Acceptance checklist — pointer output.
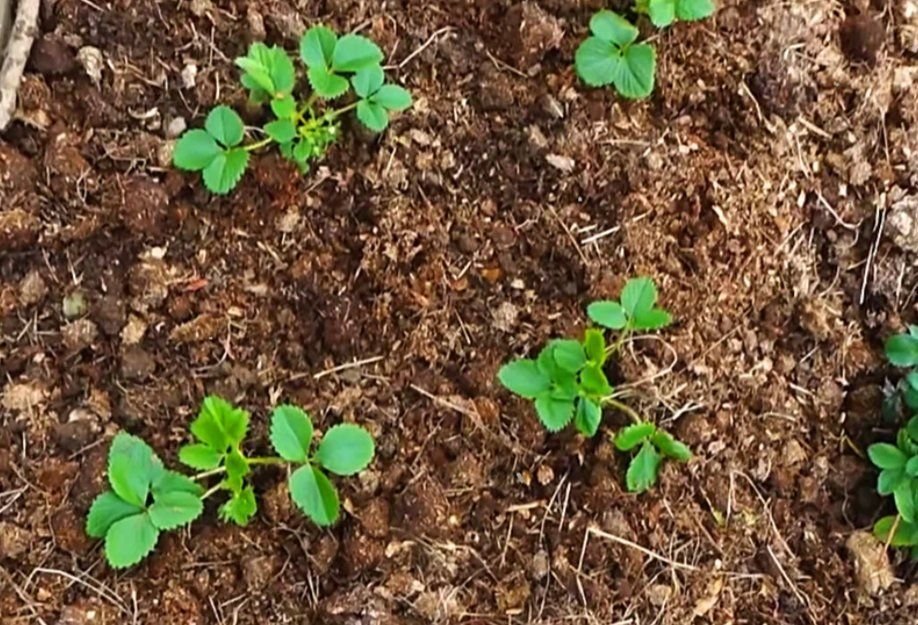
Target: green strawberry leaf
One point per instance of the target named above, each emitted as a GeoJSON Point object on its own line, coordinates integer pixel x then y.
{"type": "Point", "coordinates": [224, 173]}
{"type": "Point", "coordinates": [291, 433]}
{"type": "Point", "coordinates": [904, 496]}
{"type": "Point", "coordinates": [906, 533]}
{"type": "Point", "coordinates": [368, 81]}
{"type": "Point", "coordinates": [569, 354]}
{"type": "Point", "coordinates": [662, 12]}
{"type": "Point", "coordinates": [639, 296]}
{"type": "Point", "coordinates": [692, 10]}
{"type": "Point", "coordinates": [911, 467]}
{"type": "Point", "coordinates": [269, 70]}
{"type": "Point", "coordinates": [131, 468]}
{"type": "Point", "coordinates": [200, 456]}
{"type": "Point", "coordinates": [596, 62]}
{"type": "Point", "coordinates": [314, 495]}
{"type": "Point", "coordinates": [902, 350]}
{"type": "Point", "coordinates": [326, 83]}
{"type": "Point", "coordinates": [652, 319]}
{"type": "Point", "coordinates": [886, 456]}
{"type": "Point", "coordinates": [889, 480]}
{"type": "Point", "coordinates": [317, 46]}
{"type": "Point", "coordinates": [237, 467]}
{"type": "Point", "coordinates": [631, 436]}
{"type": "Point", "coordinates": [195, 150]}
{"type": "Point", "coordinates": [588, 416]}
{"type": "Point", "coordinates": [175, 509]}
{"type": "Point", "coordinates": [107, 509]}
{"type": "Point", "coordinates": [594, 345]}
{"type": "Point", "coordinates": [372, 115]}
{"type": "Point", "coordinates": [613, 28]}
{"type": "Point", "coordinates": [524, 378]}
{"type": "Point", "coordinates": [225, 125]}
{"type": "Point", "coordinates": [554, 411]}
{"type": "Point", "coordinates": [593, 381]}
{"type": "Point", "coordinates": [346, 449]}
{"type": "Point", "coordinates": [669, 446]}
{"type": "Point", "coordinates": [171, 482]}
{"type": "Point", "coordinates": [634, 74]}
{"type": "Point", "coordinates": [642, 472]}
{"type": "Point", "coordinates": [129, 540]}
{"type": "Point", "coordinates": [281, 130]}
{"type": "Point", "coordinates": [284, 107]}
{"type": "Point", "coordinates": [608, 314]}
{"type": "Point", "coordinates": [912, 428]}
{"type": "Point", "coordinates": [354, 52]}
{"type": "Point", "coordinates": [240, 508]}
{"type": "Point", "coordinates": [392, 98]}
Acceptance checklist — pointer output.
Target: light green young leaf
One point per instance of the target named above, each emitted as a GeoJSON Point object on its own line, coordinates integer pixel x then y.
{"type": "Point", "coordinates": [174, 509]}
{"type": "Point", "coordinates": [524, 378]}
{"type": "Point", "coordinates": [317, 46]}
{"type": "Point", "coordinates": [642, 472]}
{"type": "Point", "coordinates": [904, 496]}
{"type": "Point", "coordinates": [240, 508]}
{"type": "Point", "coordinates": [346, 449]}
{"type": "Point", "coordinates": [608, 314]}
{"type": "Point", "coordinates": [131, 468]}
{"type": "Point", "coordinates": [225, 125]}
{"type": "Point", "coordinates": [325, 83]}
{"type": "Point", "coordinates": [902, 350]}
{"type": "Point", "coordinates": [593, 380]}
{"type": "Point", "coordinates": [639, 296]}
{"type": "Point", "coordinates": [368, 81]}
{"type": "Point", "coordinates": [612, 27]}
{"type": "Point", "coordinates": [372, 115]}
{"type": "Point", "coordinates": [291, 433]}
{"type": "Point", "coordinates": [912, 428]}
{"type": "Point", "coordinates": [596, 61]}
{"type": "Point", "coordinates": [195, 150]}
{"type": "Point", "coordinates": [172, 482]}
{"type": "Point", "coordinates": [208, 425]}
{"type": "Point", "coordinates": [631, 436]}
{"type": "Point", "coordinates": [635, 75]}
{"type": "Point", "coordinates": [906, 533]}
{"type": "Point", "coordinates": [107, 509]}
{"type": "Point", "coordinates": [889, 480]}
{"type": "Point", "coordinates": [270, 69]}
{"type": "Point", "coordinates": [314, 495]}
{"type": "Point", "coordinates": [355, 52]}
{"type": "Point", "coordinates": [224, 173]}
{"type": "Point", "coordinates": [588, 416]}
{"type": "Point", "coordinates": [662, 12]}
{"type": "Point", "coordinates": [911, 467]}
{"type": "Point", "coordinates": [594, 345]}
{"type": "Point", "coordinates": [200, 456]}
{"type": "Point", "coordinates": [129, 540]}
{"type": "Point", "coordinates": [281, 130]}
{"type": "Point", "coordinates": [691, 10]}
{"type": "Point", "coordinates": [236, 469]}
{"type": "Point", "coordinates": [569, 354]}
{"type": "Point", "coordinates": [669, 446]}
{"type": "Point", "coordinates": [554, 412]}
{"type": "Point", "coordinates": [284, 107]}
{"type": "Point", "coordinates": [886, 456]}
{"type": "Point", "coordinates": [392, 98]}
{"type": "Point", "coordinates": [652, 319]}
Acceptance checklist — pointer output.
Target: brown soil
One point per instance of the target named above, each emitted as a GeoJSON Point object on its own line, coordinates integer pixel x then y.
{"type": "Point", "coordinates": [758, 186]}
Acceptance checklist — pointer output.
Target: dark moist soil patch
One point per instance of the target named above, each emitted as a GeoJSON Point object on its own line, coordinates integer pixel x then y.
{"type": "Point", "coordinates": [751, 186]}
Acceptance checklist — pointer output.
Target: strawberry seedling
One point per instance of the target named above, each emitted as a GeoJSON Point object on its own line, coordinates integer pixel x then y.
{"type": "Point", "coordinates": [567, 381]}
{"type": "Point", "coordinates": [302, 129]}
{"type": "Point", "coordinates": [898, 463]}
{"type": "Point", "coordinates": [146, 498]}
{"type": "Point", "coordinates": [611, 55]}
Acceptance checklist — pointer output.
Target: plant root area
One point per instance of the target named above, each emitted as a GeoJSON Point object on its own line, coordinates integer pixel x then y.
{"type": "Point", "coordinates": [769, 186]}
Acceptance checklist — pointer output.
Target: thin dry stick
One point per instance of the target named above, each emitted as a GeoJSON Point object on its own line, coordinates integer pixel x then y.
{"type": "Point", "coordinates": [17, 53]}
{"type": "Point", "coordinates": [622, 541]}
{"type": "Point", "coordinates": [424, 46]}
{"type": "Point", "coordinates": [345, 366]}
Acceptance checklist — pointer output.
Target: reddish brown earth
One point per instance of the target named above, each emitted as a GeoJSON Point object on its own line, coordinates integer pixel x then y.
{"type": "Point", "coordinates": [769, 186]}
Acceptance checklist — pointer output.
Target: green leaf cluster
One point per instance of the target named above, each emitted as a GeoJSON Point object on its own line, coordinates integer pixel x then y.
{"type": "Point", "coordinates": [653, 445]}
{"type": "Point", "coordinates": [346, 449]}
{"type": "Point", "coordinates": [612, 55]}
{"type": "Point", "coordinates": [145, 499]}
{"type": "Point", "coordinates": [635, 310]}
{"type": "Point", "coordinates": [301, 129]}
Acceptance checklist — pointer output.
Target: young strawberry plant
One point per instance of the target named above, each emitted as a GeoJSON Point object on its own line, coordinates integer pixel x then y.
{"type": "Point", "coordinates": [302, 129]}
{"type": "Point", "coordinates": [146, 498]}
{"type": "Point", "coordinates": [898, 463]}
{"type": "Point", "coordinates": [567, 381]}
{"type": "Point", "coordinates": [611, 55]}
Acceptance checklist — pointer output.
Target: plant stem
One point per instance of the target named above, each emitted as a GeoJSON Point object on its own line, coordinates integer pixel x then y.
{"type": "Point", "coordinates": [632, 414]}
{"type": "Point", "coordinates": [267, 460]}
{"type": "Point", "coordinates": [258, 144]}
{"type": "Point", "coordinates": [892, 530]}
{"type": "Point", "coordinates": [201, 476]}
{"type": "Point", "coordinates": [211, 491]}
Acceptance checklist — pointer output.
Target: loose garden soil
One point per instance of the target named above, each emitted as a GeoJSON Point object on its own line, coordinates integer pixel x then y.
{"type": "Point", "coordinates": [770, 186]}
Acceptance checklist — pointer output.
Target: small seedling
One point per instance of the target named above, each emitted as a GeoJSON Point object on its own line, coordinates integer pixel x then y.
{"type": "Point", "coordinates": [146, 498]}
{"type": "Point", "coordinates": [611, 55]}
{"type": "Point", "coordinates": [898, 463]}
{"type": "Point", "coordinates": [302, 130]}
{"type": "Point", "coordinates": [567, 381]}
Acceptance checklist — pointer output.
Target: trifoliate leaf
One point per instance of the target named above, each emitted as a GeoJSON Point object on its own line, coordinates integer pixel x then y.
{"type": "Point", "coordinates": [314, 495]}
{"type": "Point", "coordinates": [281, 130]}
{"type": "Point", "coordinates": [691, 10]}
{"type": "Point", "coordinates": [325, 83]}
{"type": "Point", "coordinates": [670, 447]}
{"type": "Point", "coordinates": [240, 508]}
{"type": "Point", "coordinates": [131, 468]}
{"type": "Point", "coordinates": [554, 412]}
{"type": "Point", "coordinates": [594, 345]}
{"type": "Point", "coordinates": [889, 480]}
{"type": "Point", "coordinates": [569, 354]}
{"type": "Point", "coordinates": [368, 81]}
{"type": "Point", "coordinates": [107, 509]}
{"type": "Point", "coordinates": [902, 350]}
{"type": "Point", "coordinates": [270, 69]}
{"type": "Point", "coordinates": [199, 456]}
{"type": "Point", "coordinates": [608, 314]}
{"type": "Point", "coordinates": [906, 533]}
{"type": "Point", "coordinates": [355, 52]}
{"type": "Point", "coordinates": [170, 482]}
{"type": "Point", "coordinates": [596, 61]}
{"type": "Point", "coordinates": [886, 456]}
{"type": "Point", "coordinates": [224, 173]}
{"type": "Point", "coordinates": [195, 150]}
{"type": "Point", "coordinates": [129, 540]}
{"type": "Point", "coordinates": [283, 108]}
{"type": "Point", "coordinates": [346, 449]}
{"type": "Point", "coordinates": [634, 76]}
{"type": "Point", "coordinates": [317, 46]}
{"type": "Point", "coordinates": [642, 472]}
{"type": "Point", "coordinates": [392, 98]}
{"type": "Point", "coordinates": [256, 74]}
{"type": "Point", "coordinates": [593, 380]}
{"type": "Point", "coordinates": [225, 125]}
{"type": "Point", "coordinates": [904, 496]}
{"type": "Point", "coordinates": [587, 417]}
{"type": "Point", "coordinates": [612, 27]}
{"type": "Point", "coordinates": [630, 437]}
{"type": "Point", "coordinates": [652, 319]}
{"type": "Point", "coordinates": [174, 509]}
{"type": "Point", "coordinates": [372, 115]}
{"type": "Point", "coordinates": [208, 425]}
{"type": "Point", "coordinates": [291, 433]}
{"type": "Point", "coordinates": [525, 378]}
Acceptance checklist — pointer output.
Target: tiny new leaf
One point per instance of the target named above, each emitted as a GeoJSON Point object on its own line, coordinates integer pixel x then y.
{"type": "Point", "coordinates": [642, 472]}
